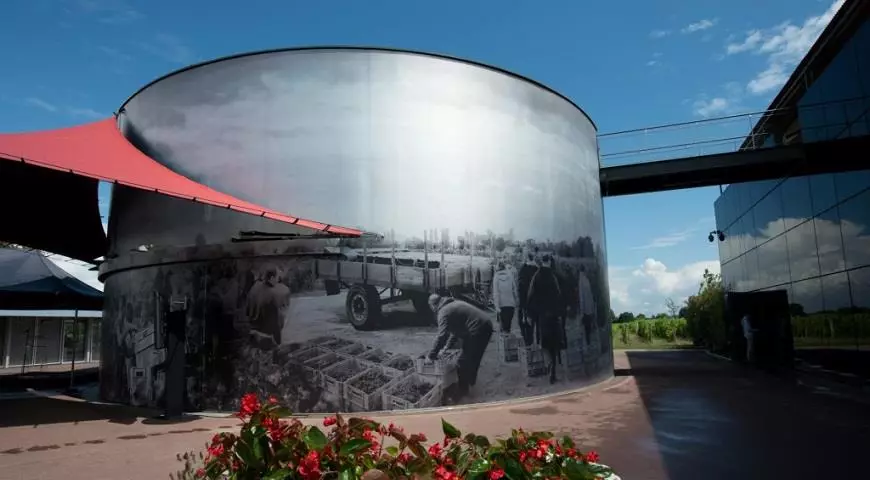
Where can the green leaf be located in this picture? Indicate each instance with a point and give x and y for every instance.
(481, 441)
(577, 470)
(279, 474)
(346, 474)
(282, 412)
(354, 445)
(449, 430)
(567, 442)
(393, 450)
(315, 439)
(479, 466)
(513, 470)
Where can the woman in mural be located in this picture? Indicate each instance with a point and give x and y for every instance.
(524, 280)
(547, 307)
(504, 296)
(267, 301)
(587, 307)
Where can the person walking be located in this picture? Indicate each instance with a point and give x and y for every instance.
(458, 319)
(504, 296)
(749, 336)
(547, 307)
(587, 308)
(524, 280)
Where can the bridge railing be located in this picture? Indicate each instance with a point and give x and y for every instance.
(753, 130)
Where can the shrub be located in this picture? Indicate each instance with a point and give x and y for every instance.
(270, 448)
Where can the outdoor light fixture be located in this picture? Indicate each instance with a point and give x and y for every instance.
(714, 234)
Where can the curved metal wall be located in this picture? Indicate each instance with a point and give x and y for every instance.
(452, 162)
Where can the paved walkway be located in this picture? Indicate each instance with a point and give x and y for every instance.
(667, 415)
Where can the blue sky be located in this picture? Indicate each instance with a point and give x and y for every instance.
(628, 64)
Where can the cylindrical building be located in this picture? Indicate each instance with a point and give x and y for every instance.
(476, 184)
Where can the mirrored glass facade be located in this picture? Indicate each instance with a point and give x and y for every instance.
(810, 235)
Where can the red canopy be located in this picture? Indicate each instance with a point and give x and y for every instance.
(99, 151)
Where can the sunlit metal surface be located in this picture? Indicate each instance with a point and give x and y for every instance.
(376, 139)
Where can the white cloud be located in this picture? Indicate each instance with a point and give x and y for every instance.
(643, 289)
(72, 111)
(784, 46)
(712, 107)
(170, 48)
(85, 113)
(659, 33)
(700, 25)
(40, 103)
(113, 12)
(669, 240)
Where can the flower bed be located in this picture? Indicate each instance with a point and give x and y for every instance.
(269, 447)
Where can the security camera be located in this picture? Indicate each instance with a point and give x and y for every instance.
(721, 237)
(710, 238)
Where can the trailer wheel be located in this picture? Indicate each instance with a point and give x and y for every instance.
(363, 307)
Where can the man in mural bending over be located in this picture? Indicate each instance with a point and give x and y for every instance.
(267, 303)
(470, 324)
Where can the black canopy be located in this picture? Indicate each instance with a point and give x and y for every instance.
(29, 281)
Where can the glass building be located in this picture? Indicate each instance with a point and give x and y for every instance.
(39, 338)
(810, 235)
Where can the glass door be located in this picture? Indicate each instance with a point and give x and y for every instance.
(74, 339)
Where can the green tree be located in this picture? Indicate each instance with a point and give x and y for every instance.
(705, 313)
(625, 317)
(640, 316)
(673, 308)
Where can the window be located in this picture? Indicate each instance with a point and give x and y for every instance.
(773, 263)
(829, 242)
(802, 253)
(823, 193)
(848, 184)
(855, 228)
(796, 203)
(808, 294)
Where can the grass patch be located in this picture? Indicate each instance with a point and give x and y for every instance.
(655, 344)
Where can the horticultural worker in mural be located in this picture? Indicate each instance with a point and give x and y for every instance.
(267, 301)
(458, 319)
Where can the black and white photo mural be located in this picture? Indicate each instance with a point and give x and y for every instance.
(481, 275)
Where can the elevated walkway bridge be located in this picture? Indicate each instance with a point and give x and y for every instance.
(805, 140)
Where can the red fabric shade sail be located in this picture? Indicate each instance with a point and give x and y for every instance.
(99, 151)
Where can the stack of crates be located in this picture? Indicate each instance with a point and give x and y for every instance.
(532, 361)
(358, 400)
(442, 370)
(432, 398)
(508, 347)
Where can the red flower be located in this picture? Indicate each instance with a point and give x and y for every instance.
(523, 456)
(200, 473)
(404, 458)
(435, 450)
(421, 435)
(591, 457)
(329, 421)
(273, 400)
(572, 453)
(250, 405)
(496, 474)
(216, 450)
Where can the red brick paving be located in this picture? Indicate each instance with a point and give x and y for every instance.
(683, 416)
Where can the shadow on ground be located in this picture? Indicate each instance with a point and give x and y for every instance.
(45, 411)
(716, 420)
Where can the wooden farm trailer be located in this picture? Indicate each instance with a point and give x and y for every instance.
(368, 278)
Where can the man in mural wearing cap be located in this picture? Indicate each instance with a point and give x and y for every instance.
(458, 319)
